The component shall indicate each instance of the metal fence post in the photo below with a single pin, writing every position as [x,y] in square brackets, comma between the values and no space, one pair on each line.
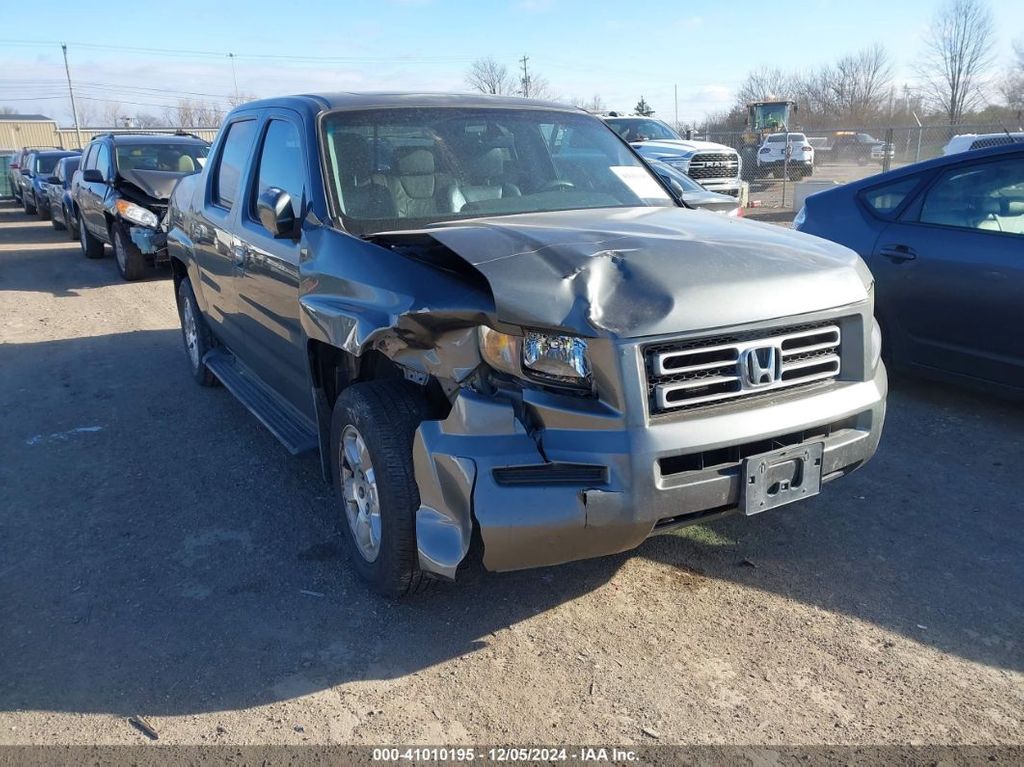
[889,150]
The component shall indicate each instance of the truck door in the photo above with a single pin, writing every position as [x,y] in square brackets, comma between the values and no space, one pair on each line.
[268,288]
[219,251]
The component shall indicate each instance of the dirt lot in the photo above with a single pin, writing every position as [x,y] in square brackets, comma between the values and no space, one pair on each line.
[161,554]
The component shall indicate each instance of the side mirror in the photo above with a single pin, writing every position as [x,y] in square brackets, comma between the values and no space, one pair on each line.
[93,176]
[274,208]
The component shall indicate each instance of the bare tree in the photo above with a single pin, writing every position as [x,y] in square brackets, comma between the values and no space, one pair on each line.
[110,114]
[862,84]
[194,113]
[766,83]
[146,120]
[240,98]
[6,110]
[488,76]
[958,53]
[1012,86]
[594,104]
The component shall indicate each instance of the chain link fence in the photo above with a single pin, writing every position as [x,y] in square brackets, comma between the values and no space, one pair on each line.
[774,164]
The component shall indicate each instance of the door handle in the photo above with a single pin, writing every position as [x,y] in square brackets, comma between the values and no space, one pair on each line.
[239,254]
[898,253]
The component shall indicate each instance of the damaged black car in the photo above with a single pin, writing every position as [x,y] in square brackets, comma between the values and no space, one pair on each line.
[119,195]
[504,335]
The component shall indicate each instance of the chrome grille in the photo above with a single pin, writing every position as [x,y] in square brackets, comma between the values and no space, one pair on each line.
[714,165]
[705,371]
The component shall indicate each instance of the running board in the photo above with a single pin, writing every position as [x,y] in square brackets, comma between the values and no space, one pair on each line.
[283,420]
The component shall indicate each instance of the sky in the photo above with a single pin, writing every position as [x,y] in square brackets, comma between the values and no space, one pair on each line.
[619,50]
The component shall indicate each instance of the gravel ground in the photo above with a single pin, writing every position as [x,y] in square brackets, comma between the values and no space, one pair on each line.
[162,555]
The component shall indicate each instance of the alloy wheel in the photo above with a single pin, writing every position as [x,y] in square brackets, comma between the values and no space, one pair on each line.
[362,503]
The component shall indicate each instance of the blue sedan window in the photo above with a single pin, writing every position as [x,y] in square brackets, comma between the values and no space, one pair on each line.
[987,196]
[886,198]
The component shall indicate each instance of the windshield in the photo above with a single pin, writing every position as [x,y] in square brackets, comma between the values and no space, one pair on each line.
[176,158]
[643,130]
[770,116]
[408,168]
[46,164]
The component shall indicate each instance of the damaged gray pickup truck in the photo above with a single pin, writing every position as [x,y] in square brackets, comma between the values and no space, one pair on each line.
[495,324]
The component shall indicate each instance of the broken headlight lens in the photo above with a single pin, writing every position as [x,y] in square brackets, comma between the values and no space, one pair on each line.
[136,214]
[562,358]
[539,356]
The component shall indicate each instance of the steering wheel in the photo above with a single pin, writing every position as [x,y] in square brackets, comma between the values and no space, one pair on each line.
[558,185]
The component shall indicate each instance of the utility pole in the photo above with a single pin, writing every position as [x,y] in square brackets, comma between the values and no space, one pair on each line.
[71,92]
[526,77]
[234,76]
[675,90]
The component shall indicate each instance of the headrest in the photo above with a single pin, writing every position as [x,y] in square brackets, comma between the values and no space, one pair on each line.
[415,162]
[488,166]
[354,153]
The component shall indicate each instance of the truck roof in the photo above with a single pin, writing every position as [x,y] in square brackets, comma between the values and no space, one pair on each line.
[318,102]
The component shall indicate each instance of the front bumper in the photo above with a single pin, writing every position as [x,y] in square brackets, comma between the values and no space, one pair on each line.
[730,186]
[583,482]
[152,242]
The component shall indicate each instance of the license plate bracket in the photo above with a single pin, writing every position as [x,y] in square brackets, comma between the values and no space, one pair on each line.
[781,476]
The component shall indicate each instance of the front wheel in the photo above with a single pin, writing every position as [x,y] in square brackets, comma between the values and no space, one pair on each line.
[195,333]
[372,431]
[130,262]
[91,247]
[30,207]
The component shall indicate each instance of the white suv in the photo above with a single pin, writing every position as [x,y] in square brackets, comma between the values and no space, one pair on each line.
[771,156]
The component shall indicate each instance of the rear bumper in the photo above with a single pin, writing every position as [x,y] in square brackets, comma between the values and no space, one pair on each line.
[630,482]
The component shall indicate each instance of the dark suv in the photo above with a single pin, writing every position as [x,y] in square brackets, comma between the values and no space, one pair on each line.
[119,194]
[36,170]
[59,193]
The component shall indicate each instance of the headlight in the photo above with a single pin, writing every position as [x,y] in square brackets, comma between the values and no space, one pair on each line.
[682,163]
[560,357]
[876,343]
[543,357]
[137,214]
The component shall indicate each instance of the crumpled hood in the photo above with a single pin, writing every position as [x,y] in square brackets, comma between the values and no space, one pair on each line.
[646,271]
[665,147]
[156,183]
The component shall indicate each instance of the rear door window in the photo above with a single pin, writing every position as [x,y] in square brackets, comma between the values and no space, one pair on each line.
[987,196]
[885,199]
[227,176]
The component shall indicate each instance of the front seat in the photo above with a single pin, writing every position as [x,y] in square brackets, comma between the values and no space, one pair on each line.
[486,175]
[361,195]
[414,183]
[186,164]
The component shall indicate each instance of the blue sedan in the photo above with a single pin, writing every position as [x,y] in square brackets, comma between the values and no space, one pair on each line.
[945,241]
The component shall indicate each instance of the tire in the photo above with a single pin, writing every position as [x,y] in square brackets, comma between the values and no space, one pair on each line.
[30,208]
[195,334]
[43,211]
[57,221]
[382,416]
[131,264]
[91,247]
[70,224]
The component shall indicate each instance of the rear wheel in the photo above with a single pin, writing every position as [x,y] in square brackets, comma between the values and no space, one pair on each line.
[195,333]
[130,261]
[91,247]
[372,431]
[70,224]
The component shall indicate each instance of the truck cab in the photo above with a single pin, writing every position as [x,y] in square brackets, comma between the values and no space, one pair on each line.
[499,330]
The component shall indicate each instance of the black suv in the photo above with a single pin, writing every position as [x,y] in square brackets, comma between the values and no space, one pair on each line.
[119,194]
